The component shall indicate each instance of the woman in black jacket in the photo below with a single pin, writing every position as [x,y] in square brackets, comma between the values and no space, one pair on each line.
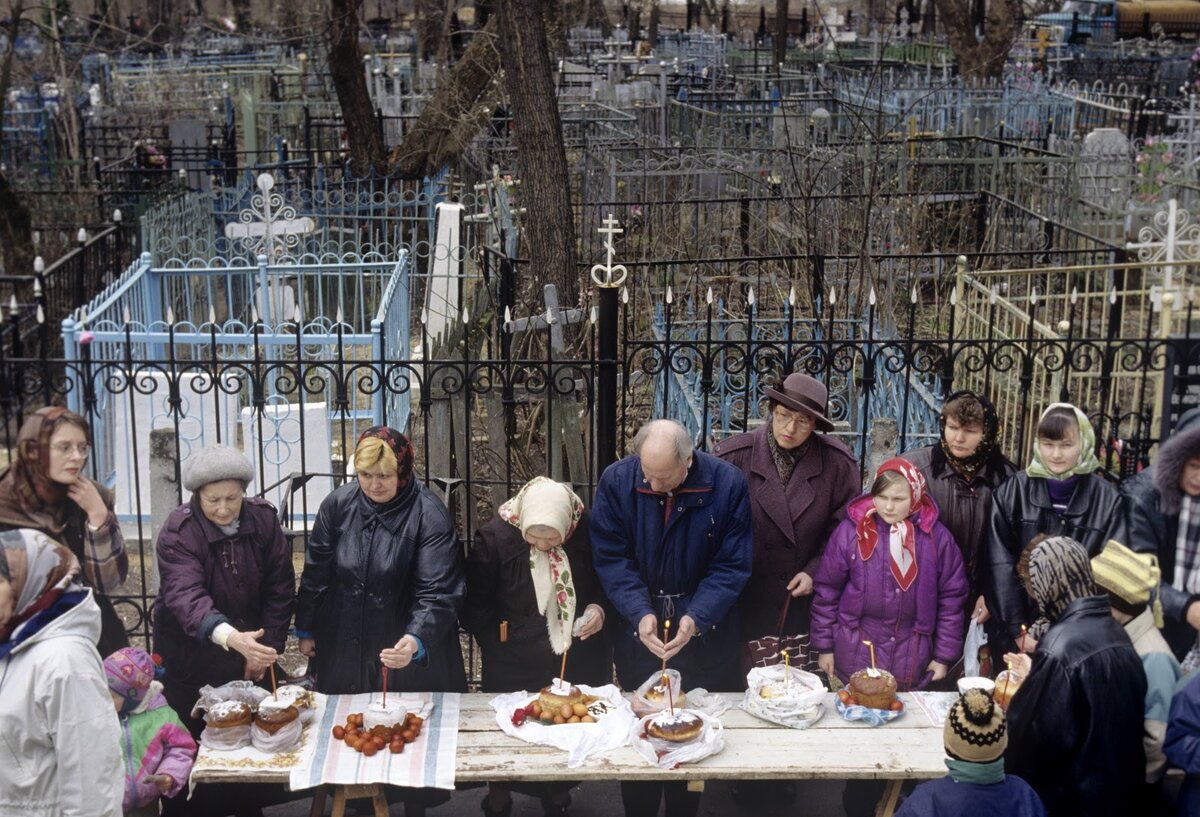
[531,594]
[383,580]
[1058,494]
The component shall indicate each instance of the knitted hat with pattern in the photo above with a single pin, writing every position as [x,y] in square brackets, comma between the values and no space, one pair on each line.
[975,728]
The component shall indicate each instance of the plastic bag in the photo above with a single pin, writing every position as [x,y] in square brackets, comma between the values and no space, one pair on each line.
[793,696]
[668,755]
[976,640]
[284,740]
[225,739]
[644,705]
[247,692]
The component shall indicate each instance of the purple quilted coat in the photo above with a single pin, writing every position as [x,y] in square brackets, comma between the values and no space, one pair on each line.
[857,600]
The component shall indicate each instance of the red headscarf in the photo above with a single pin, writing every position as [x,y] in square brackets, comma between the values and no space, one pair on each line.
[400,446]
[902,533]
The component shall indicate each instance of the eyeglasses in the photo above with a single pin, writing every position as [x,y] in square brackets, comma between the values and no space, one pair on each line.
[799,419]
[65,449]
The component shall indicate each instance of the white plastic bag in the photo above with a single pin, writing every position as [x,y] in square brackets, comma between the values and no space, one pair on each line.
[284,740]
[642,705]
[226,739]
[247,692]
[976,640]
[668,755]
[797,704]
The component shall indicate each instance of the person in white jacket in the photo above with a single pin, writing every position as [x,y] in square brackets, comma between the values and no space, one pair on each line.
[60,752]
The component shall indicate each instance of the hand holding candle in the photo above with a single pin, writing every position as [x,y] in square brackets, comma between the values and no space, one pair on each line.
[666,639]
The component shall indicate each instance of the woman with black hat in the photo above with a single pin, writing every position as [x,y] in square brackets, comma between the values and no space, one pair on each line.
[800,482]
[961,470]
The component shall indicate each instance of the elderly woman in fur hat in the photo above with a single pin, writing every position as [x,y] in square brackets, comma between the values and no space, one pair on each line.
[227,583]
[1163,503]
[532,594]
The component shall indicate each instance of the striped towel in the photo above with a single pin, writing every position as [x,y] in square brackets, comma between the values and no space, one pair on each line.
[428,762]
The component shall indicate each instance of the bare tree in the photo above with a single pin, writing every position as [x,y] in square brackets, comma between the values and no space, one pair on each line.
[350,83]
[462,105]
[781,31]
[980,57]
[549,234]
[16,232]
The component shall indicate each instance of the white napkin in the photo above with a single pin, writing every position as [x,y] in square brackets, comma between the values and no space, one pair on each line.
[579,740]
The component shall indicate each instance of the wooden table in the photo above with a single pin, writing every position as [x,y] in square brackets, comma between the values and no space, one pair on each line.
[908,748]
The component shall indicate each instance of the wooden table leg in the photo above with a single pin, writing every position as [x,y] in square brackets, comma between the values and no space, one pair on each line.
[887,803]
[695,786]
[380,802]
[339,801]
[318,803]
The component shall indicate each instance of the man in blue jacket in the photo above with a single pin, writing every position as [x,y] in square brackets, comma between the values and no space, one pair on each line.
[670,530]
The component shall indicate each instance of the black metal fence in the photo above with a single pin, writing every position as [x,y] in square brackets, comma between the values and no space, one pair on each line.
[480,407]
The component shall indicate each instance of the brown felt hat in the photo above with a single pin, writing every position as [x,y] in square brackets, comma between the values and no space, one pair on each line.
[800,392]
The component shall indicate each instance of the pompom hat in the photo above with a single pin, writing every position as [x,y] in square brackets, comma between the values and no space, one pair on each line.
[975,729]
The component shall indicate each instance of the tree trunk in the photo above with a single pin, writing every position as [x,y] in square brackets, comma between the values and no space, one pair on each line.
[781,32]
[16,231]
[549,230]
[652,28]
[462,105]
[350,82]
[597,17]
[980,59]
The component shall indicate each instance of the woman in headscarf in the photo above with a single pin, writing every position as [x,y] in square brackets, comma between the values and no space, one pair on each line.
[961,471]
[532,594]
[1058,494]
[46,490]
[800,481]
[383,580]
[1075,723]
[61,750]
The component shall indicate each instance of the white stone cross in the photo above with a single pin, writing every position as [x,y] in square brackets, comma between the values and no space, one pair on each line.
[267,226]
[608,270]
[1171,237]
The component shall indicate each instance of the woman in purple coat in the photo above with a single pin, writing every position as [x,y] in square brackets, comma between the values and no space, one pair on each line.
[891,575]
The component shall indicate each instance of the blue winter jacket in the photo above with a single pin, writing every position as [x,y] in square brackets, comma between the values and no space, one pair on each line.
[1182,743]
[683,553]
[946,797]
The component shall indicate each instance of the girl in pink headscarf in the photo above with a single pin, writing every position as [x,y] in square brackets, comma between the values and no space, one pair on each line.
[892,575]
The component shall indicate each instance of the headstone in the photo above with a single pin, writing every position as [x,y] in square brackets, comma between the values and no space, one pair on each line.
[1104,169]
[200,405]
[443,306]
[283,427]
[189,151]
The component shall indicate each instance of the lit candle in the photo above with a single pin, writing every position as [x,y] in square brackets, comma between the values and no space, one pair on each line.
[666,638]
[871,647]
[1022,638]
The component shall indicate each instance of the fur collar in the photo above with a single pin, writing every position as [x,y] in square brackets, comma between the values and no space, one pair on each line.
[1183,444]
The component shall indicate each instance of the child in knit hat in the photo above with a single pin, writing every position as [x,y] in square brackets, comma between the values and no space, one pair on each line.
[976,736]
[1131,581]
[157,749]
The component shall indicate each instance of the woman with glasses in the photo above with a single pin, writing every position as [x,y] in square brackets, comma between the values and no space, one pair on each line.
[800,481]
[383,584]
[46,490]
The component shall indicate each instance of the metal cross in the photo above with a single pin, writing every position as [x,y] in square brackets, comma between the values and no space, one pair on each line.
[608,270]
[1171,237]
[267,226]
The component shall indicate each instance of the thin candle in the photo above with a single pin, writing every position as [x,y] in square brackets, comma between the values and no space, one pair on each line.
[666,638]
[562,670]
[385,686]
[1022,638]
[787,671]
[670,698]
[871,647]
[274,689]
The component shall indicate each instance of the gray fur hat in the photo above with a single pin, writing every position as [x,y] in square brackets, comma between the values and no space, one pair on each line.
[213,463]
[1176,450]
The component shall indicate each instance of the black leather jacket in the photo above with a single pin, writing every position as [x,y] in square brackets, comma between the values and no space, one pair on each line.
[1021,509]
[1075,725]
[373,574]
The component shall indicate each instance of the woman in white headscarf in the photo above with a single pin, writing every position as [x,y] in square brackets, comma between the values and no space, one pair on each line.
[531,594]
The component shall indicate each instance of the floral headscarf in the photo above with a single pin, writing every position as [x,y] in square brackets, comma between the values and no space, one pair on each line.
[545,502]
[39,569]
[1087,462]
[902,535]
[400,446]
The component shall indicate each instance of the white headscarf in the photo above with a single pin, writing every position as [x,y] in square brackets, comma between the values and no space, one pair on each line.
[554,505]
